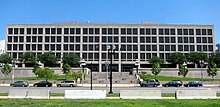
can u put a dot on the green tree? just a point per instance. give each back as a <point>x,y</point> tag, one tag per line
<point>6,69</point>
<point>71,59</point>
<point>5,58</point>
<point>195,57</point>
<point>177,58</point>
<point>156,59</point>
<point>156,69</point>
<point>48,58</point>
<point>183,70</point>
<point>77,75</point>
<point>29,58</point>
<point>217,59</point>
<point>46,73</point>
<point>36,66</point>
<point>212,69</point>
<point>66,69</point>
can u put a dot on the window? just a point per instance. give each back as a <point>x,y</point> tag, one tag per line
<point>77,38</point>
<point>71,47</point>
<point>204,47</point>
<point>28,38</point>
<point>10,30</point>
<point>84,47</point>
<point>21,46</point>
<point>123,39</point>
<point>116,39</point>
<point>123,31</point>
<point>154,31</point>
<point>180,47</point>
<point>28,47</point>
<point>72,31</point>
<point>71,39</point>
<point>173,47</point>
<point>180,40</point>
<point>66,30</point>
<point>129,40</point>
<point>128,31</point>
<point>147,31</point>
<point>161,39</point>
<point>104,47</point>
<point>143,56</point>
<point>161,47</point>
<point>85,39</point>
<point>192,48</point>
<point>40,30</point>
<point>39,47</point>
<point>91,31</point>
<point>142,39</point>
<point>34,39</point>
<point>185,31</point>
<point>203,31</point>
<point>15,30</point>
<point>167,40</point>
<point>129,48</point>
<point>90,39</point>
<point>78,31</point>
<point>15,38</point>
<point>191,39</point>
<point>58,46</point>
<point>104,31</point>
<point>53,30</point>
<point>116,31</point>
<point>58,38</point>
<point>191,31</point>
<point>109,31</point>
<point>148,40</point>
<point>109,39</point>
<point>65,47</point>
<point>9,46</point>
<point>52,38</point>
<point>199,48</point>
<point>180,31</point>
<point>148,55</point>
<point>34,30</point>
<point>210,47</point>
<point>154,39</point>
<point>85,30</point>
<point>21,30</point>
<point>34,47</point>
<point>129,55</point>
<point>96,38</point>
<point>90,55</point>
<point>91,47</point>
<point>210,40</point>
<point>160,31</point>
<point>198,31</point>
<point>167,32</point>
<point>135,55</point>
<point>186,40</point>
<point>47,30</point>
<point>198,39</point>
<point>148,47</point>
<point>209,31</point>
<point>9,38</point>
<point>96,31</point>
<point>52,47</point>
<point>135,32</point>
<point>28,30</point>
<point>161,55</point>
<point>46,47</point>
<point>167,47</point>
<point>142,47</point>
<point>142,31</point>
<point>186,48</point>
<point>172,31</point>
<point>173,40</point>
<point>135,39</point>
<point>154,47</point>
<point>21,38</point>
<point>135,48</point>
<point>104,39</point>
<point>204,40</point>
<point>59,30</point>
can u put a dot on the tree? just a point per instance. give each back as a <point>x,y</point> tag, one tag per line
<point>48,58</point>
<point>5,58</point>
<point>195,57</point>
<point>177,58</point>
<point>46,73</point>
<point>212,69</point>
<point>6,69</point>
<point>217,59</point>
<point>66,69</point>
<point>156,69</point>
<point>77,75</point>
<point>183,70</point>
<point>71,59</point>
<point>36,66</point>
<point>29,58</point>
<point>156,59</point>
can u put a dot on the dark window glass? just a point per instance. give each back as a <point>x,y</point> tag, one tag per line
<point>142,31</point>
<point>15,38</point>
<point>52,47</point>
<point>185,31</point>
<point>173,47</point>
<point>135,48</point>
<point>9,38</point>
<point>129,48</point>
<point>180,31</point>
<point>135,56</point>
<point>46,46</point>
<point>91,31</point>
<point>91,47</point>
<point>10,30</point>
<point>39,47</point>
<point>123,39</point>
<point>96,56</point>
<point>167,32</point>
<point>142,47</point>
<point>71,47</point>
<point>34,47</point>
<point>186,40</point>
<point>128,31</point>
<point>148,55</point>
<point>154,47</point>
<point>28,30</point>
<point>58,38</point>
<point>97,31</point>
<point>72,31</point>
<point>142,39</point>
<point>103,55</point>
<point>110,39</point>
<point>104,47</point>
<point>161,55</point>
<point>21,46</point>
<point>160,31</point>
<point>71,39</point>
<point>21,30</point>
<point>199,48</point>
<point>204,39</point>
<point>191,31</point>
<point>154,31</point>
<point>104,39</point>
<point>78,31</point>
<point>123,31</point>
<point>161,39</point>
<point>180,40</point>
<point>161,47</point>
<point>59,30</point>
<point>204,47</point>
<point>90,38</point>
<point>180,47</point>
<point>66,30</point>
<point>209,31</point>
<point>198,31</point>
<point>47,39</point>
<point>173,40</point>
<point>148,40</point>
<point>167,47</point>
<point>135,39</point>
<point>15,30</point>
<point>96,38</point>
<point>191,39</point>
<point>116,31</point>
<point>53,30</point>
<point>90,55</point>
<point>143,56</point>
<point>110,31</point>
<point>47,30</point>
<point>34,30</point>
<point>34,39</point>
<point>85,39</point>
<point>58,46</point>
<point>28,47</point>
<point>172,31</point>
<point>192,48</point>
<point>77,38</point>
<point>210,47</point>
<point>210,40</point>
<point>84,47</point>
<point>198,39</point>
<point>135,32</point>
<point>129,55</point>
<point>104,31</point>
<point>147,31</point>
<point>129,40</point>
<point>203,31</point>
<point>52,38</point>
<point>148,47</point>
<point>28,38</point>
<point>154,39</point>
<point>40,30</point>
<point>21,38</point>
<point>167,40</point>
<point>186,48</point>
<point>65,47</point>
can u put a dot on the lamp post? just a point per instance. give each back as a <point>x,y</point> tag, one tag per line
<point>111,51</point>
<point>137,64</point>
<point>83,64</point>
<point>201,65</point>
<point>13,72</point>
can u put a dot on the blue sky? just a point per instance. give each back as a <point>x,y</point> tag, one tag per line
<point>117,11</point>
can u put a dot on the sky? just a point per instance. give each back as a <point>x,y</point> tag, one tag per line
<point>115,11</point>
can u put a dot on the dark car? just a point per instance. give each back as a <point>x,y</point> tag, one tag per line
<point>193,84</point>
<point>43,84</point>
<point>173,84</point>
<point>66,83</point>
<point>19,84</point>
<point>153,83</point>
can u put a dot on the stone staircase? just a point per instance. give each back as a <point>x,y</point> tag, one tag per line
<point>118,78</point>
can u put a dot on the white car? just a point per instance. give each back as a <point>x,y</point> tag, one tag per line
<point>66,83</point>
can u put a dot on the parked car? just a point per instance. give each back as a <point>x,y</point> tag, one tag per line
<point>66,83</point>
<point>153,83</point>
<point>193,84</point>
<point>43,84</point>
<point>19,84</point>
<point>174,83</point>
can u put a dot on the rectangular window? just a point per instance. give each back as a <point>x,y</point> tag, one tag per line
<point>143,56</point>
<point>39,47</point>
<point>161,39</point>
<point>59,30</point>
<point>84,47</point>
<point>148,31</point>
<point>9,38</point>
<point>154,47</point>
<point>191,31</point>
<point>104,39</point>
<point>180,40</point>
<point>129,48</point>
<point>96,38</point>
<point>128,31</point>
<point>210,40</point>
<point>15,38</point>
<point>58,46</point>
<point>154,31</point>
<point>180,31</point>
<point>142,47</point>
<point>204,48</point>
<point>186,48</point>
<point>203,31</point>
<point>191,39</point>
<point>40,30</point>
<point>129,40</point>
<point>142,31</point>
<point>148,40</point>
<point>28,38</point>
<point>123,31</point>
<point>185,31</point>
<point>85,39</point>
<point>192,48</point>
<point>129,55</point>
<point>109,31</point>
<point>90,39</point>
<point>198,39</point>
<point>154,39</point>
<point>148,47</point>
<point>204,39</point>
<point>116,31</point>
<point>10,30</point>
<point>173,40</point>
<point>123,39</point>
<point>72,31</point>
<point>160,31</point>
<point>34,30</point>
<point>167,32</point>
<point>135,48</point>
<point>71,39</point>
<point>66,30</point>
<point>65,47</point>
<point>167,40</point>
<point>71,47</point>
<point>85,30</point>
<point>104,31</point>
<point>148,56</point>
<point>21,38</point>
<point>109,39</point>
<point>21,46</point>
<point>172,31</point>
<point>173,47</point>
<point>52,47</point>
<point>161,55</point>
<point>161,47</point>
<point>135,32</point>
<point>34,39</point>
<point>9,46</point>
<point>53,30</point>
<point>167,47</point>
<point>198,31</point>
<point>91,47</point>
<point>47,30</point>
<point>34,47</point>
<point>28,30</point>
<point>97,31</point>
<point>15,30</point>
<point>52,38</point>
<point>77,38</point>
<point>28,47</point>
<point>180,47</point>
<point>78,31</point>
<point>46,47</point>
<point>199,48</point>
<point>209,31</point>
<point>142,39</point>
<point>47,39</point>
<point>21,30</point>
<point>91,31</point>
<point>135,39</point>
<point>58,38</point>
<point>186,40</point>
<point>210,47</point>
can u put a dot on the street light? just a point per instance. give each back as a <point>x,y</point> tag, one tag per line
<point>201,65</point>
<point>83,64</point>
<point>137,64</point>
<point>13,72</point>
<point>111,51</point>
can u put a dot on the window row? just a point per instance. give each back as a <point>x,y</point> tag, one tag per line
<point>192,47</point>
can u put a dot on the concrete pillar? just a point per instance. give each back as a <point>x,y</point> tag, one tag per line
<point>23,65</point>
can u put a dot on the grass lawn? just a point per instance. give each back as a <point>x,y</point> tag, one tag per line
<point>108,103</point>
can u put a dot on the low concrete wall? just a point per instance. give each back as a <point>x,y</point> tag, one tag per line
<point>29,93</point>
<point>85,94</point>
<point>196,94</point>
<point>140,94</point>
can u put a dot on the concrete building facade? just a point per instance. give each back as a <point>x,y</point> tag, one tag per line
<point>90,41</point>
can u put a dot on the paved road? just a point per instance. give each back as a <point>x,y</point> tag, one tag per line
<point>4,89</point>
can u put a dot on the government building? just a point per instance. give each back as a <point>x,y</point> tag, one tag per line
<point>91,42</point>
